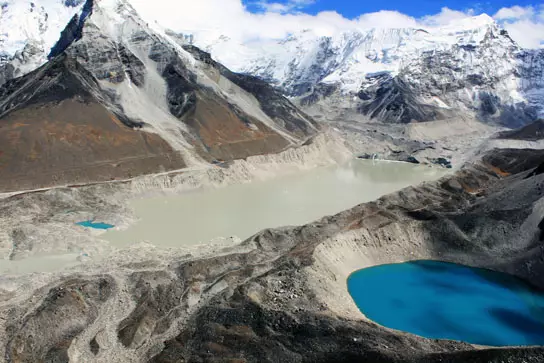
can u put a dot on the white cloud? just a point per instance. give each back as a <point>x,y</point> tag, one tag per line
<point>386,19</point>
<point>446,16</point>
<point>527,33</point>
<point>212,18</point>
<point>229,17</point>
<point>515,12</point>
<point>525,24</point>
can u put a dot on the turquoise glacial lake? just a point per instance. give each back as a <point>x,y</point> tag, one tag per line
<point>447,301</point>
<point>97,225</point>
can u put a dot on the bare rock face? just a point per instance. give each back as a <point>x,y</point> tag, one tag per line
<point>282,296</point>
<point>392,99</point>
<point>270,99</point>
<point>531,132</point>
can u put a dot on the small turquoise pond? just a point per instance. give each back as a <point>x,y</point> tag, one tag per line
<point>447,301</point>
<point>92,224</point>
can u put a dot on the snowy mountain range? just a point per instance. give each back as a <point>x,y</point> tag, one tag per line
<point>469,68</point>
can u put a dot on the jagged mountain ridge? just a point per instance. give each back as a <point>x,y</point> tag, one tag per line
<point>152,100</point>
<point>470,68</point>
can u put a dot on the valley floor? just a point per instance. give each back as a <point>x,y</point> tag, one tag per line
<point>281,295</point>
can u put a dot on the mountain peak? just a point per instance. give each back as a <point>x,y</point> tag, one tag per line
<point>41,21</point>
<point>116,75</point>
<point>472,53</point>
<point>28,32</point>
<point>483,19</point>
<point>472,22</point>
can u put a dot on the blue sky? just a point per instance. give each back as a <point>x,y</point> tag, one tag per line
<point>416,8</point>
<point>251,20</point>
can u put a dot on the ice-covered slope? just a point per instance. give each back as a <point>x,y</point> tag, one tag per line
<point>343,57</point>
<point>470,67</point>
<point>28,30</point>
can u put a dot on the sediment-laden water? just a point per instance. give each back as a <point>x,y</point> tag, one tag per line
<point>243,210</point>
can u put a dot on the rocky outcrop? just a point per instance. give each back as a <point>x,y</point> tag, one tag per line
<point>281,295</point>
<point>73,31</point>
<point>69,307</point>
<point>391,99</point>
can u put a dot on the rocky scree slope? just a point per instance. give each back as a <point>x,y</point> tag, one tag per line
<point>469,68</point>
<point>56,128</point>
<point>281,296</point>
<point>118,99</point>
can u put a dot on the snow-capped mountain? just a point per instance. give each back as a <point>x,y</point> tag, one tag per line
<point>343,57</point>
<point>118,98</point>
<point>28,31</point>
<point>470,67</point>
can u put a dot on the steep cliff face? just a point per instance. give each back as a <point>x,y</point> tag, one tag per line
<point>470,68</point>
<point>196,109</point>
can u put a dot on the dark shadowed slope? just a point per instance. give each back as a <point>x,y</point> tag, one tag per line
<point>531,132</point>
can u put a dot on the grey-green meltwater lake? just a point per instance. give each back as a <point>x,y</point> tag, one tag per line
<point>240,211</point>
